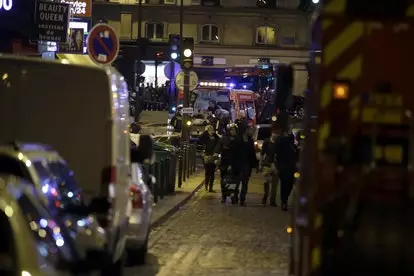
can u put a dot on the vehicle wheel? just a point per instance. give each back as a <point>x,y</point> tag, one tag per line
<point>138,256</point>
<point>114,269</point>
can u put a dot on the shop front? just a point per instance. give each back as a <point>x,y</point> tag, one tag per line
<point>80,23</point>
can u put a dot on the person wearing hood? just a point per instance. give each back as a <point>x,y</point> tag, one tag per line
<point>209,140</point>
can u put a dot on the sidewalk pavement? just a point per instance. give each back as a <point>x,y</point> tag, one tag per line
<point>172,203</point>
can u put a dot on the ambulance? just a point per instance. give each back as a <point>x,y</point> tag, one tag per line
<point>239,103</point>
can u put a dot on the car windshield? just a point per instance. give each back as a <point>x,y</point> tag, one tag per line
<point>42,172</point>
<point>69,193</point>
<point>263,133</point>
<point>51,244</point>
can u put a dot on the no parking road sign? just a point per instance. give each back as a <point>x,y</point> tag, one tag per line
<point>103,44</point>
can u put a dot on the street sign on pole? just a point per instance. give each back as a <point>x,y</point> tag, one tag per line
<point>193,80</point>
<point>103,44</point>
<point>172,67</point>
<point>188,110</point>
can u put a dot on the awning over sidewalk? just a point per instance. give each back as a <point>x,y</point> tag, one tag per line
<point>77,59</point>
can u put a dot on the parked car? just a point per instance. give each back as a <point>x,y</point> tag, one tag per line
<point>57,251</point>
<point>140,221</point>
<point>87,123</point>
<point>18,250</point>
<point>173,140</point>
<point>55,186</point>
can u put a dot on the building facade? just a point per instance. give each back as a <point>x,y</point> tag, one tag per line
<point>227,32</point>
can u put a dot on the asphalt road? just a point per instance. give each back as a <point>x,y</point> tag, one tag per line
<point>210,238</point>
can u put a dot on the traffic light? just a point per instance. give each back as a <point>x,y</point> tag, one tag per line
<point>175,47</point>
<point>187,52</point>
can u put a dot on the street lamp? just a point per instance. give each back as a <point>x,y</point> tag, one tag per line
<point>315,1</point>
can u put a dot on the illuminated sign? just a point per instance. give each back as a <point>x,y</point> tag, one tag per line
<point>6,5</point>
<point>79,8</point>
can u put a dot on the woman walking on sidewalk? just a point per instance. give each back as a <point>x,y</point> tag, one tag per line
<point>209,140</point>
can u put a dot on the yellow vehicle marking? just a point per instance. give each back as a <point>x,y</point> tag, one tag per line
<point>342,42</point>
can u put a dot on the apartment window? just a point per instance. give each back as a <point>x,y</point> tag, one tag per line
<point>289,40</point>
<point>155,30</point>
<point>266,3</point>
<point>195,2</point>
<point>126,25</point>
<point>210,3</point>
<point>170,2</point>
<point>210,33</point>
<point>266,35</point>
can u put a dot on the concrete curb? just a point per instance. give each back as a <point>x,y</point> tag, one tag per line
<point>177,207</point>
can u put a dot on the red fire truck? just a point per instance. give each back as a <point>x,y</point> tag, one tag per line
<point>356,188</point>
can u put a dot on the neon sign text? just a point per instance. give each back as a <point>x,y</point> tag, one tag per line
<point>6,5</point>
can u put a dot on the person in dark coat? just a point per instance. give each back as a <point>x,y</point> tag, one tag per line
<point>286,160</point>
<point>209,139</point>
<point>177,120</point>
<point>226,150</point>
<point>268,165</point>
<point>244,160</point>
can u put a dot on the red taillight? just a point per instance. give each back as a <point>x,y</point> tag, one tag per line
<point>136,196</point>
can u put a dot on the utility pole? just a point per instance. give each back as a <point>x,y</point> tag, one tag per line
<point>181,18</point>
<point>185,137</point>
<point>187,61</point>
<point>137,64</point>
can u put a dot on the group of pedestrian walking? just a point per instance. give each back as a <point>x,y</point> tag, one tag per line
<point>234,154</point>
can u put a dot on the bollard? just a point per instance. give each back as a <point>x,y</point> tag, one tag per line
<point>188,160</point>
<point>166,186</point>
<point>184,163</point>
<point>173,172</point>
<point>195,159</point>
<point>191,160</point>
<point>180,169</point>
<point>162,179</point>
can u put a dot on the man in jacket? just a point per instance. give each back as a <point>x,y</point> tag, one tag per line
<point>244,160</point>
<point>286,159</point>
<point>226,149</point>
<point>267,162</point>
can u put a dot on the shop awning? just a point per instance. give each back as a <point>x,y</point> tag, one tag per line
<point>77,59</point>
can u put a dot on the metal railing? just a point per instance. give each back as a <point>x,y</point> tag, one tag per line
<point>170,169</point>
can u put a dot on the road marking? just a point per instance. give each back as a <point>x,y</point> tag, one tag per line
<point>174,261</point>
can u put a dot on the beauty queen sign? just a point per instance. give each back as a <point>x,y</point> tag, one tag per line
<point>6,5</point>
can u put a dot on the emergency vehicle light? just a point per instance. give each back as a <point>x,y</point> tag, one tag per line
<point>340,91</point>
<point>215,84</point>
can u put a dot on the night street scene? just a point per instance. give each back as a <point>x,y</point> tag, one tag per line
<point>206,138</point>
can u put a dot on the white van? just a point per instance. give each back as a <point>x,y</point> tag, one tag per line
<point>82,112</point>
